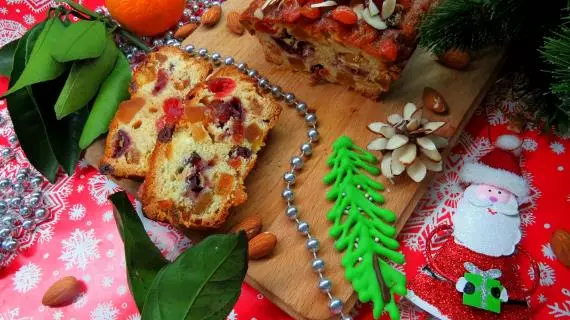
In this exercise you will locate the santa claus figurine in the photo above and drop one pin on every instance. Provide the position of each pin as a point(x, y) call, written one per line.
point(475, 274)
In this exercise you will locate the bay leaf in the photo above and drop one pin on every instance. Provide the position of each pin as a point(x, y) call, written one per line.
point(7, 57)
point(142, 257)
point(203, 283)
point(25, 114)
point(84, 80)
point(81, 40)
point(40, 65)
point(113, 91)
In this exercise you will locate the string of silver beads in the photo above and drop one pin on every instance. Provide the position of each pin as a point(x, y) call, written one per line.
point(324, 284)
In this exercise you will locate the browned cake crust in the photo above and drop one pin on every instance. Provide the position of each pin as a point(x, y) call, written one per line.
point(197, 174)
point(158, 87)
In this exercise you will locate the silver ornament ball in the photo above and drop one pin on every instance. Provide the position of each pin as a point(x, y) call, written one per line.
point(9, 244)
point(40, 213)
point(318, 265)
point(291, 212)
point(313, 244)
point(336, 305)
point(307, 149)
point(313, 135)
point(325, 285)
point(297, 162)
point(301, 107)
point(288, 194)
point(28, 225)
point(310, 119)
point(229, 61)
point(303, 227)
point(289, 177)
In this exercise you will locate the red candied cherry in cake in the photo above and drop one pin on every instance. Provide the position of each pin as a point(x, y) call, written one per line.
point(389, 49)
point(222, 87)
point(344, 15)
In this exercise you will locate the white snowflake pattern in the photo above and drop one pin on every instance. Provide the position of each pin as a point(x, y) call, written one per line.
point(79, 249)
point(541, 298)
point(29, 19)
point(12, 314)
point(45, 233)
point(83, 163)
point(80, 301)
point(547, 274)
point(107, 282)
point(232, 316)
point(562, 309)
point(122, 290)
point(135, 316)
point(80, 188)
point(4, 10)
point(77, 212)
point(107, 216)
point(110, 253)
point(557, 147)
point(27, 277)
point(100, 187)
point(529, 144)
point(547, 252)
point(58, 315)
point(105, 311)
point(497, 117)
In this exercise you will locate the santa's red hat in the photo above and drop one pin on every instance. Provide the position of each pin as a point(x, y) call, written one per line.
point(499, 168)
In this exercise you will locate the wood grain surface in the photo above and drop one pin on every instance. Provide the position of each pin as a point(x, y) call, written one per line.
point(286, 277)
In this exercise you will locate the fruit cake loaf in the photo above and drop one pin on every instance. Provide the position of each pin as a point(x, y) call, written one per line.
point(197, 174)
point(158, 87)
point(363, 47)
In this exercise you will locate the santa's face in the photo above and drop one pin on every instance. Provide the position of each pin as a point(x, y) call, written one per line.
point(496, 200)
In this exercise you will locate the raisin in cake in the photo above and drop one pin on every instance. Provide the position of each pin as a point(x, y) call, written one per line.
point(361, 46)
point(197, 174)
point(158, 87)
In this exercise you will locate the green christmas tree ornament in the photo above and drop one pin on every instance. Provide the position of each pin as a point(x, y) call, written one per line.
point(363, 230)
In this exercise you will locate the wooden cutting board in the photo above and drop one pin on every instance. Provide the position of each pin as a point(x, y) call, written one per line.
point(286, 277)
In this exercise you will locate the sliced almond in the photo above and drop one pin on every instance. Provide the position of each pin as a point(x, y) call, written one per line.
point(388, 132)
point(267, 3)
point(434, 126)
point(440, 142)
point(375, 22)
point(388, 7)
point(376, 126)
point(324, 4)
point(409, 109)
point(394, 119)
point(417, 115)
point(433, 155)
point(432, 165)
point(417, 170)
point(397, 166)
point(258, 13)
point(424, 120)
point(377, 144)
point(397, 141)
point(426, 143)
point(386, 165)
point(372, 8)
point(408, 153)
point(413, 125)
point(358, 10)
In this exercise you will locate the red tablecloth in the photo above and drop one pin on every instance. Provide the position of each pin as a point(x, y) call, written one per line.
point(81, 239)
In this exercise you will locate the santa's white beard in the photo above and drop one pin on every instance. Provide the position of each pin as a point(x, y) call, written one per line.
point(490, 234)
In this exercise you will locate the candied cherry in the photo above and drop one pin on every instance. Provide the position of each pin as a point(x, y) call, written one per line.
point(221, 86)
point(173, 108)
point(161, 81)
point(344, 15)
point(389, 49)
point(121, 144)
point(239, 151)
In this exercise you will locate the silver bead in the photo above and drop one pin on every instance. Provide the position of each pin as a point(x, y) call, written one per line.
point(9, 244)
point(36, 181)
point(288, 194)
point(172, 42)
point(33, 201)
point(313, 135)
point(28, 224)
point(130, 56)
point(189, 49)
point(13, 139)
point(346, 317)
point(194, 19)
point(202, 52)
point(5, 183)
point(195, 8)
point(307, 149)
point(40, 213)
point(336, 305)
point(325, 285)
point(303, 227)
point(242, 67)
point(216, 57)
point(3, 206)
point(313, 244)
point(251, 73)
point(169, 35)
point(100, 10)
point(25, 212)
point(36, 194)
point(215, 3)
point(262, 82)
point(229, 61)
point(6, 232)
point(289, 97)
point(181, 24)
point(289, 177)
point(24, 171)
point(297, 162)
point(207, 4)
point(318, 264)
point(311, 119)
point(16, 202)
point(301, 107)
point(158, 43)
point(188, 13)
point(6, 153)
point(18, 187)
point(276, 90)
point(8, 220)
point(291, 212)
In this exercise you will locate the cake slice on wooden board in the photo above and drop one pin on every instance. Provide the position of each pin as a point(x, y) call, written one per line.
point(363, 47)
point(197, 174)
point(158, 87)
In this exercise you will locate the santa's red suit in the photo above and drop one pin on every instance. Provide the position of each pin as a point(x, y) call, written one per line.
point(486, 232)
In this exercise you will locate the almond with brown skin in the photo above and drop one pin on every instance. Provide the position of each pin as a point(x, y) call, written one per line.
point(434, 101)
point(185, 30)
point(560, 243)
point(62, 292)
point(251, 226)
point(211, 16)
point(233, 23)
point(261, 245)
point(455, 59)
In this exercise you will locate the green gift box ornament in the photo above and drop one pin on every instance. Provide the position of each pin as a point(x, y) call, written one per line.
point(482, 289)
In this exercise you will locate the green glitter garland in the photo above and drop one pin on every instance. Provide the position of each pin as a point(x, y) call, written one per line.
point(364, 231)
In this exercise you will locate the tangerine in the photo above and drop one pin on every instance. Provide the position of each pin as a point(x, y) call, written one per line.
point(146, 17)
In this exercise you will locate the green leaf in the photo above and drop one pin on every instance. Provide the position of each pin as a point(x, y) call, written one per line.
point(143, 259)
point(203, 283)
point(41, 66)
point(84, 80)
point(113, 90)
point(25, 114)
point(7, 57)
point(81, 40)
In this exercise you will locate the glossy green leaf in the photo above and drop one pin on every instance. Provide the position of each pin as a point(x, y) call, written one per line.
point(7, 57)
point(25, 114)
point(81, 40)
point(41, 66)
point(203, 283)
point(84, 80)
point(142, 257)
point(113, 90)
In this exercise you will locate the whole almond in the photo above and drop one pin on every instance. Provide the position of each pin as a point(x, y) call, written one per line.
point(251, 226)
point(560, 243)
point(185, 30)
point(261, 245)
point(455, 59)
point(233, 23)
point(211, 16)
point(434, 101)
point(62, 292)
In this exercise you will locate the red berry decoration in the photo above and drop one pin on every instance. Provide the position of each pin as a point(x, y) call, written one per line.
point(221, 86)
point(173, 109)
point(310, 13)
point(389, 49)
point(344, 15)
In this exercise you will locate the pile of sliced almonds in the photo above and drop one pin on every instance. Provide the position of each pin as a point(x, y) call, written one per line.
point(374, 16)
point(408, 144)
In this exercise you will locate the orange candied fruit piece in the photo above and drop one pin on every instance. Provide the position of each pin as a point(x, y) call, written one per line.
point(235, 163)
point(166, 204)
point(389, 49)
point(225, 183)
point(252, 132)
point(128, 109)
point(194, 114)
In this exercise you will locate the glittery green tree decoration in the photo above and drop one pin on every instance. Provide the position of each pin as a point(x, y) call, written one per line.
point(362, 229)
